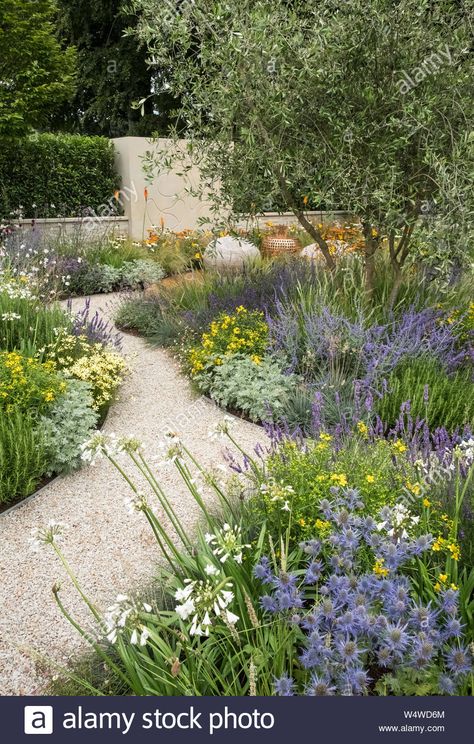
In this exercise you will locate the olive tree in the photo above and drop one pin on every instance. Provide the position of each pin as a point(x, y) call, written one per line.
point(364, 105)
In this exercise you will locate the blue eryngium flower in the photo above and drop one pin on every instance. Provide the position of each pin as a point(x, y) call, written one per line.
point(263, 571)
point(354, 625)
point(320, 686)
point(459, 661)
point(313, 572)
point(447, 685)
point(284, 686)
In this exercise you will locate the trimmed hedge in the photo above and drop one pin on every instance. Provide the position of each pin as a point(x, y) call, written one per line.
point(53, 175)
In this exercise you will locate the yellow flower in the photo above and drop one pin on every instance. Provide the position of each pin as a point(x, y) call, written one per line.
point(437, 587)
point(370, 478)
point(339, 479)
point(443, 578)
point(415, 488)
point(362, 428)
point(321, 524)
point(324, 437)
point(426, 502)
point(454, 587)
point(454, 550)
point(379, 568)
point(256, 359)
point(399, 447)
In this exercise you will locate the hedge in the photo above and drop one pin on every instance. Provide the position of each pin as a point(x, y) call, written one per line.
point(56, 175)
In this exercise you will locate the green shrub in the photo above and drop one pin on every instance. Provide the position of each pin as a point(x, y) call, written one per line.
point(259, 389)
point(441, 399)
point(146, 315)
point(27, 384)
point(23, 456)
point(67, 425)
point(52, 175)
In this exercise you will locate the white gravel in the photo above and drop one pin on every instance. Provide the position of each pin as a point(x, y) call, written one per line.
point(110, 550)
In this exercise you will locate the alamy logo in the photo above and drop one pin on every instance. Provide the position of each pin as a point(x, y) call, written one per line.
point(38, 719)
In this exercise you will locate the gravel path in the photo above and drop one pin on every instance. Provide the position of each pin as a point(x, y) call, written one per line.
point(110, 550)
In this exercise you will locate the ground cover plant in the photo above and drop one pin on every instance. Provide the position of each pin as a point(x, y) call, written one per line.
point(58, 376)
point(360, 596)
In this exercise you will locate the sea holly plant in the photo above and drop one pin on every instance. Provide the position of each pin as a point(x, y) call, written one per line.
point(261, 108)
point(241, 611)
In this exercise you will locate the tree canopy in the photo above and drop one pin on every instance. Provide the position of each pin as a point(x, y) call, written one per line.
point(364, 105)
point(36, 74)
point(112, 72)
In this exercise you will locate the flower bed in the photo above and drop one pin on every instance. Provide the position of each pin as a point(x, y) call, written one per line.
point(309, 581)
point(80, 265)
point(58, 376)
point(285, 343)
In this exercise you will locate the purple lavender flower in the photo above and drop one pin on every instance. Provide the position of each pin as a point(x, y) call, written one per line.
point(95, 328)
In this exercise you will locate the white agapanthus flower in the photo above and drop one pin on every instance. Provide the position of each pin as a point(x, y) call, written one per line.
point(465, 451)
point(47, 535)
point(203, 601)
point(10, 316)
point(124, 617)
point(136, 503)
point(222, 428)
point(211, 570)
point(397, 521)
point(172, 448)
point(99, 445)
point(227, 543)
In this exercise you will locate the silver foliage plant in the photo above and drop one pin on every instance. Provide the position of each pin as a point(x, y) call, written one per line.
point(67, 425)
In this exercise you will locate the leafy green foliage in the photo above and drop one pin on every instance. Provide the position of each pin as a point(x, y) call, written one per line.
point(23, 455)
point(36, 74)
point(440, 398)
point(57, 176)
point(141, 273)
point(377, 470)
point(112, 73)
point(26, 324)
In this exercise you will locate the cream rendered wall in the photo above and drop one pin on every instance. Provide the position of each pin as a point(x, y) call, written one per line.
point(167, 198)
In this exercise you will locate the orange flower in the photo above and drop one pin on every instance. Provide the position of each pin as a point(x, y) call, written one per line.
point(305, 200)
point(145, 193)
point(116, 195)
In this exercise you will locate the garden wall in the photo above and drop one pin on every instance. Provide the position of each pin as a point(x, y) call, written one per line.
point(166, 198)
point(91, 227)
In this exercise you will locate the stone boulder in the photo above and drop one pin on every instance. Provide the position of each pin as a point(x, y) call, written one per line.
point(229, 252)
